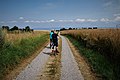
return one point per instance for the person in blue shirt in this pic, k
(51, 40)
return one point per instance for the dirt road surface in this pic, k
(69, 70)
(69, 67)
(35, 67)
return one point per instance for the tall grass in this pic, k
(18, 47)
(99, 64)
(12, 37)
(107, 41)
(2, 38)
(104, 41)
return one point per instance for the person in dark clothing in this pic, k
(55, 41)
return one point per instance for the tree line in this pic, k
(14, 28)
(77, 28)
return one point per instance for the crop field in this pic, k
(104, 41)
(15, 47)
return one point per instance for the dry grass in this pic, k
(104, 40)
(12, 37)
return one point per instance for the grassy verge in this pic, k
(12, 54)
(98, 62)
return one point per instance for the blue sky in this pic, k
(52, 14)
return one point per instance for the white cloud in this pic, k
(52, 20)
(104, 20)
(86, 20)
(116, 14)
(37, 21)
(47, 21)
(80, 20)
(65, 20)
(117, 18)
(32, 21)
(27, 21)
(21, 18)
(60, 20)
(92, 20)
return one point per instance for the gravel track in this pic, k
(69, 70)
(35, 67)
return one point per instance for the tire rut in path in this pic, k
(69, 70)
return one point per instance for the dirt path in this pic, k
(83, 64)
(69, 70)
(35, 67)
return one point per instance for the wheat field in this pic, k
(107, 41)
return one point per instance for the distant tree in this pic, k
(89, 28)
(70, 28)
(27, 29)
(57, 30)
(5, 27)
(62, 29)
(14, 28)
(74, 28)
(94, 27)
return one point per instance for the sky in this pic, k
(56, 14)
